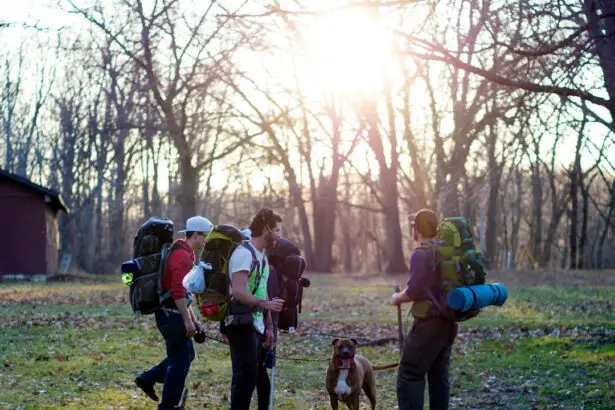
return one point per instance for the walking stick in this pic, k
(272, 388)
(270, 364)
(400, 324)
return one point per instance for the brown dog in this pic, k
(347, 374)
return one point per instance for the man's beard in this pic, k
(270, 243)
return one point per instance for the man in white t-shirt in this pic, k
(249, 324)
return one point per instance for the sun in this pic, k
(348, 53)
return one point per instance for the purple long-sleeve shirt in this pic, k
(424, 281)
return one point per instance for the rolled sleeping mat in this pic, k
(476, 296)
(285, 247)
(282, 249)
(292, 267)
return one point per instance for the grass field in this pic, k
(552, 345)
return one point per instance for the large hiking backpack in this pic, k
(457, 262)
(151, 248)
(219, 246)
(289, 266)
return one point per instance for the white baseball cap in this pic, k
(247, 233)
(198, 224)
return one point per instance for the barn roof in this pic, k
(53, 198)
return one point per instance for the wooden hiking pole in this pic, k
(400, 324)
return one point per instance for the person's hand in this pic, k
(199, 326)
(274, 305)
(395, 299)
(269, 338)
(190, 328)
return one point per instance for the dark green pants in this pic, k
(427, 351)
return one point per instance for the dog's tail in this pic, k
(386, 366)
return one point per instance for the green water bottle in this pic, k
(127, 278)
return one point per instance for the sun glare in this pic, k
(346, 52)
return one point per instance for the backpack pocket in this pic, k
(144, 296)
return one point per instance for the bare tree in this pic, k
(181, 54)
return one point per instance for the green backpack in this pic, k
(457, 262)
(220, 244)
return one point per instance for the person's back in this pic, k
(428, 344)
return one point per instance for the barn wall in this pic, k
(23, 244)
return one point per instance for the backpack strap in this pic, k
(432, 246)
(255, 264)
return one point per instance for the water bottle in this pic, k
(127, 278)
(209, 309)
(269, 361)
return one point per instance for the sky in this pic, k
(333, 59)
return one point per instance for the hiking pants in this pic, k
(263, 384)
(172, 370)
(247, 357)
(427, 351)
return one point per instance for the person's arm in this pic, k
(399, 298)
(188, 323)
(239, 267)
(239, 284)
(197, 323)
(417, 277)
(180, 263)
(269, 332)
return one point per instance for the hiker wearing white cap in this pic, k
(176, 320)
(199, 225)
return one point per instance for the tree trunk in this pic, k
(495, 173)
(605, 46)
(146, 178)
(449, 199)
(573, 235)
(607, 226)
(537, 200)
(118, 236)
(395, 251)
(584, 233)
(297, 198)
(189, 187)
(325, 205)
(68, 226)
(324, 224)
(516, 216)
(156, 200)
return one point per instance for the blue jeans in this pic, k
(173, 369)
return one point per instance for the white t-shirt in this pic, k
(241, 259)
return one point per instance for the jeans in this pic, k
(427, 351)
(173, 369)
(247, 356)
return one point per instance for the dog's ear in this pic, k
(354, 341)
(334, 342)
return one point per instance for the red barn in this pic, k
(29, 244)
